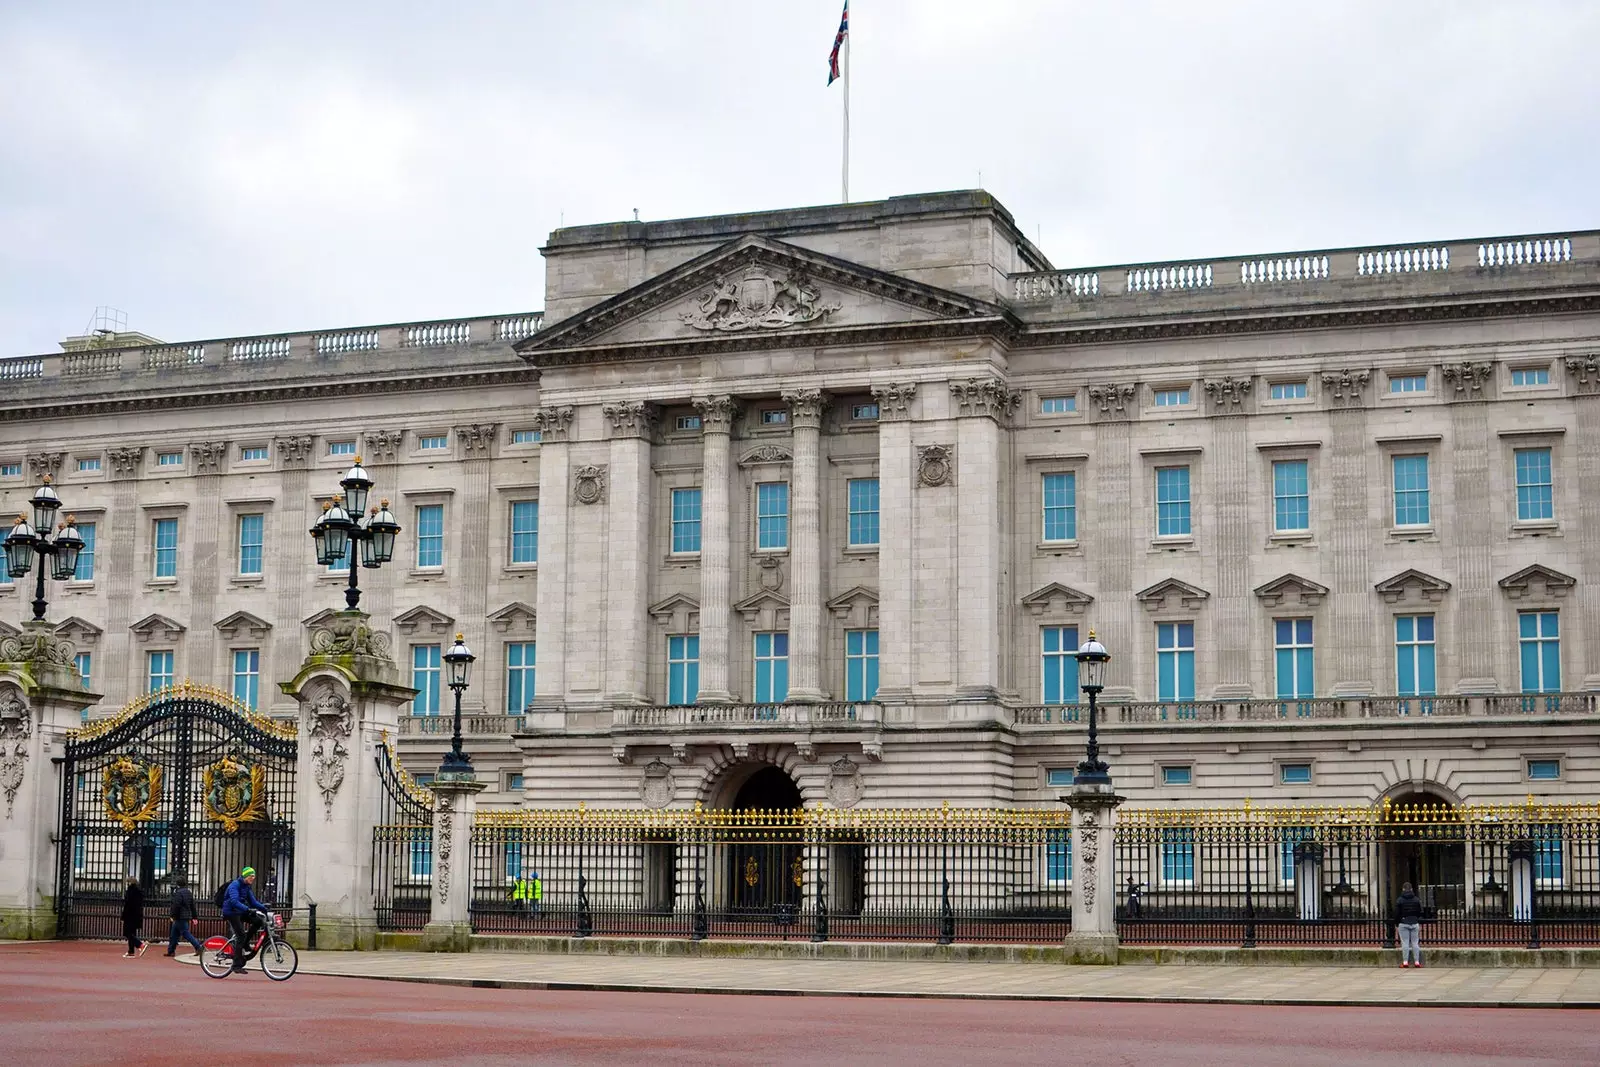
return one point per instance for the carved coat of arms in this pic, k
(235, 792)
(757, 299)
(132, 791)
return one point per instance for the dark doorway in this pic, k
(1424, 843)
(766, 870)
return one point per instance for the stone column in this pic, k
(805, 571)
(41, 698)
(1472, 528)
(1094, 891)
(894, 553)
(477, 447)
(1350, 588)
(628, 499)
(1109, 499)
(292, 549)
(1584, 375)
(206, 563)
(982, 406)
(449, 926)
(1229, 489)
(716, 578)
(554, 425)
(349, 693)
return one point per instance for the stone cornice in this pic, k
(34, 409)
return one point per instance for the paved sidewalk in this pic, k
(1436, 987)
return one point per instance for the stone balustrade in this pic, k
(188, 357)
(1195, 712)
(1305, 270)
(699, 716)
(471, 725)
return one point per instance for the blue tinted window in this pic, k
(1411, 491)
(686, 520)
(1539, 640)
(166, 539)
(772, 667)
(1174, 661)
(1172, 502)
(1413, 654)
(85, 568)
(521, 672)
(1058, 664)
(772, 515)
(425, 679)
(252, 529)
(1295, 773)
(1535, 491)
(1291, 495)
(862, 494)
(430, 535)
(860, 664)
(525, 531)
(1177, 776)
(1292, 651)
(1544, 770)
(1058, 856)
(683, 668)
(1060, 507)
(247, 676)
(1288, 390)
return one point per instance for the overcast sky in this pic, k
(303, 165)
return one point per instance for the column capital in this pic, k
(894, 400)
(125, 461)
(631, 418)
(805, 407)
(208, 456)
(478, 438)
(383, 446)
(1345, 386)
(553, 423)
(716, 412)
(989, 398)
(1585, 373)
(294, 451)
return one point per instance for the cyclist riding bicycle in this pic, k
(246, 916)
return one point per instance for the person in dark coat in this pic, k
(1407, 926)
(183, 913)
(133, 920)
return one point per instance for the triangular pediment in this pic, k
(515, 616)
(321, 618)
(1537, 580)
(850, 597)
(675, 602)
(78, 631)
(157, 626)
(856, 606)
(762, 598)
(1292, 589)
(242, 622)
(7, 630)
(1412, 583)
(424, 620)
(1171, 592)
(753, 292)
(1056, 597)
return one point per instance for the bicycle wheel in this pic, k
(279, 961)
(216, 962)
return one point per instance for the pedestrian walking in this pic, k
(183, 913)
(133, 920)
(1407, 925)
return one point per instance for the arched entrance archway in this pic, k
(763, 869)
(1424, 842)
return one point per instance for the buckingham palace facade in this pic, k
(813, 507)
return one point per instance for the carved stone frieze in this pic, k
(37, 644)
(844, 783)
(1585, 373)
(41, 463)
(766, 454)
(1469, 378)
(985, 398)
(1113, 400)
(1089, 840)
(758, 299)
(589, 484)
(1228, 394)
(894, 400)
(347, 633)
(656, 787)
(329, 722)
(295, 451)
(553, 424)
(442, 836)
(935, 465)
(125, 461)
(383, 446)
(631, 418)
(208, 456)
(478, 439)
(16, 726)
(1345, 386)
(805, 407)
(716, 413)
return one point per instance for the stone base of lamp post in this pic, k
(1094, 892)
(449, 926)
(41, 698)
(350, 696)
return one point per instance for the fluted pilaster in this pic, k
(805, 601)
(716, 580)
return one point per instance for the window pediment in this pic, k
(1538, 581)
(1291, 589)
(425, 621)
(157, 626)
(679, 613)
(1168, 593)
(78, 631)
(252, 625)
(1412, 583)
(856, 607)
(1056, 598)
(515, 616)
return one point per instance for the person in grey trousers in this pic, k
(1407, 926)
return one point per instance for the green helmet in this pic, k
(247, 872)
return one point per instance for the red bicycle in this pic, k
(279, 960)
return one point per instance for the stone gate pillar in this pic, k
(350, 695)
(449, 926)
(41, 698)
(1094, 891)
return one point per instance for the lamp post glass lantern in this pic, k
(458, 668)
(347, 531)
(30, 543)
(1092, 660)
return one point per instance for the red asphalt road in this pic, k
(81, 1003)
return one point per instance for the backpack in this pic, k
(221, 896)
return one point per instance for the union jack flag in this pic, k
(838, 43)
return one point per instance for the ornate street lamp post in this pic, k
(458, 665)
(347, 532)
(1092, 660)
(29, 540)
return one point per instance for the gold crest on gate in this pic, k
(132, 791)
(235, 792)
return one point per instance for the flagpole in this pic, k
(845, 173)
